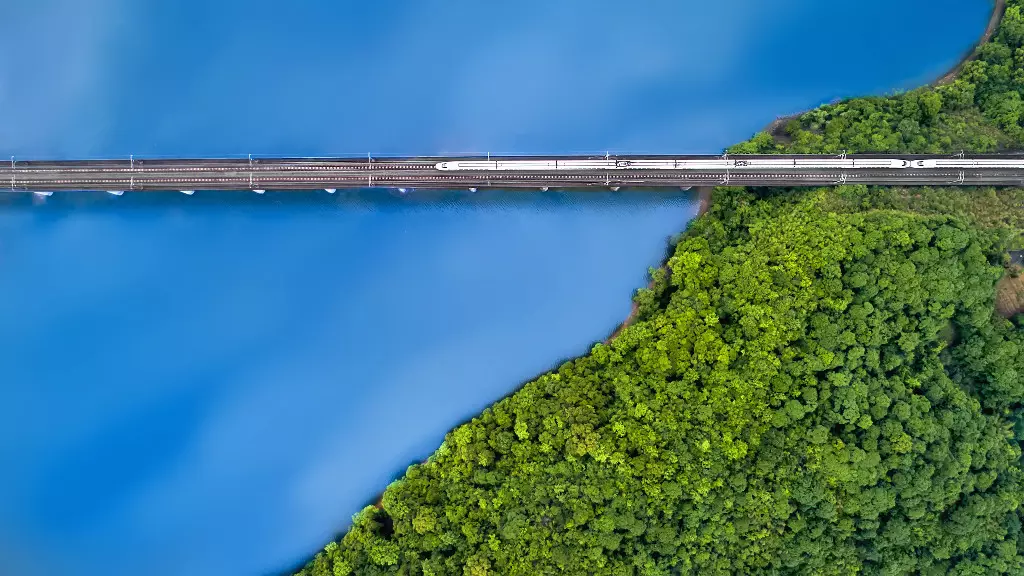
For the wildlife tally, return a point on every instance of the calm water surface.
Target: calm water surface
(213, 385)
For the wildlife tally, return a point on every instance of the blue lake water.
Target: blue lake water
(213, 385)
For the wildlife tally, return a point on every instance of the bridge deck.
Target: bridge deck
(421, 172)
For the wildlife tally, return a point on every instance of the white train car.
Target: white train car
(723, 164)
(669, 164)
(969, 163)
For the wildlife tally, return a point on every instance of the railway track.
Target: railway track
(313, 173)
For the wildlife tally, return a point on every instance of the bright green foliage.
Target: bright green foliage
(996, 209)
(815, 384)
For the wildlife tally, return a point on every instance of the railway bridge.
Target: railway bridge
(508, 172)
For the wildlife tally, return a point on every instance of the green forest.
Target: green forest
(817, 382)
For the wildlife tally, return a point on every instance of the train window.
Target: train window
(742, 163)
(623, 163)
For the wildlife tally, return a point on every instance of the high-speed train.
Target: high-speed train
(728, 164)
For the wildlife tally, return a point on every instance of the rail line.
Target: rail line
(524, 172)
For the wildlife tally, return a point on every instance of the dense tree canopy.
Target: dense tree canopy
(816, 383)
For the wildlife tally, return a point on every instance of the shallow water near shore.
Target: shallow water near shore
(214, 384)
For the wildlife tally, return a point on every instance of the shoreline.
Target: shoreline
(704, 196)
(704, 199)
(998, 10)
(776, 129)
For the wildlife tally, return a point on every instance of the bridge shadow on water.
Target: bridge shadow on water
(348, 199)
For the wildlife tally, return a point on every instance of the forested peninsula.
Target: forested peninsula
(818, 382)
